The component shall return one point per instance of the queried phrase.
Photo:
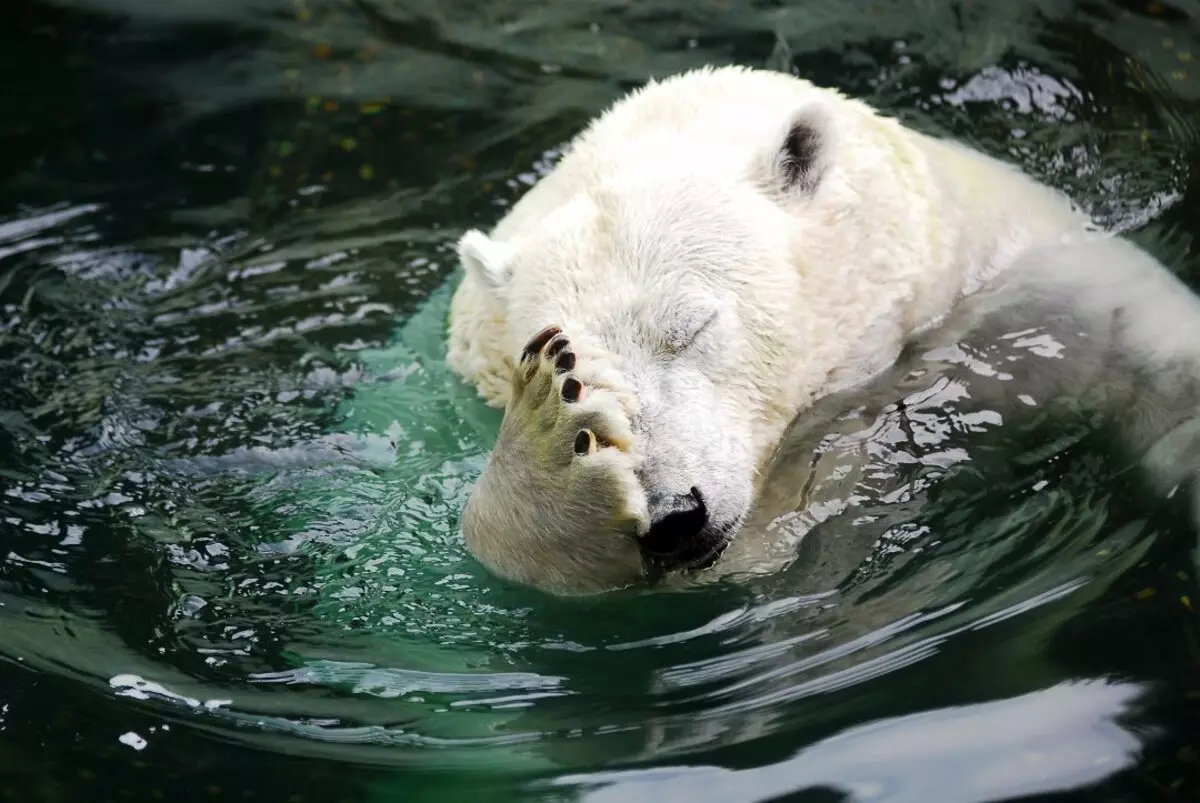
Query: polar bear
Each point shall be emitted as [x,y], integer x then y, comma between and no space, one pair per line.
[711,256]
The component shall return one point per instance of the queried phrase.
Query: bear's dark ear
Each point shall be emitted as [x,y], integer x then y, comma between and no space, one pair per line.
[803,153]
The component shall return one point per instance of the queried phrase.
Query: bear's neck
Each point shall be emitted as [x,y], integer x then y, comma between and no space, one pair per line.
[994,211]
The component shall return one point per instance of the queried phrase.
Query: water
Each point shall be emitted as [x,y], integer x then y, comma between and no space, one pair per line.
[231,456]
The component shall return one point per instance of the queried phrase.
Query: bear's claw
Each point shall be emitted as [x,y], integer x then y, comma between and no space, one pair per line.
[597,407]
[538,342]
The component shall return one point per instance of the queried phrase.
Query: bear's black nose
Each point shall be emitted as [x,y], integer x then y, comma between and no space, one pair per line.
[678,535]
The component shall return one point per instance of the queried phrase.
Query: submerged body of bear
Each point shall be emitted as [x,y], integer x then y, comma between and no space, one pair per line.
[710,258]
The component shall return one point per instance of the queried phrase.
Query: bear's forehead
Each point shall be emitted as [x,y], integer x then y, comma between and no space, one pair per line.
[635,265]
[682,224]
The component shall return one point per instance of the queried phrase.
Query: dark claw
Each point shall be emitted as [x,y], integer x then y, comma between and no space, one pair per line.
[539,341]
[583,442]
[571,389]
[556,345]
[565,362]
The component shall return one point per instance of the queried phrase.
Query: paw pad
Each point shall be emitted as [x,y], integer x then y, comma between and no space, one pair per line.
[565,362]
[585,442]
[557,344]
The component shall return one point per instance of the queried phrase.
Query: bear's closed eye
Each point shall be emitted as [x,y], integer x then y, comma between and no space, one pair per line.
[688,330]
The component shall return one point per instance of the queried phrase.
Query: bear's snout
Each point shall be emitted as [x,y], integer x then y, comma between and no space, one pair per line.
[682,535]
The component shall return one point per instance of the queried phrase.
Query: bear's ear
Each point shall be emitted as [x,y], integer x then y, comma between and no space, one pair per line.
[802,150]
[486,261]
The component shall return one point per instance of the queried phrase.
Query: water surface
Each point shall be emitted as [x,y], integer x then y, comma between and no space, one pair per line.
[232,457]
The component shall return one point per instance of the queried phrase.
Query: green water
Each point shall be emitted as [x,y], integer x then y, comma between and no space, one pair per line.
[232,457]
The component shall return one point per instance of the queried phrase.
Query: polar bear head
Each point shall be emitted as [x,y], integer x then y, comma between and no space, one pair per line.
[710,255]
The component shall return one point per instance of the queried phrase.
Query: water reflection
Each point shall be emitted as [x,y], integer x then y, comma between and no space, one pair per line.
[1062,738]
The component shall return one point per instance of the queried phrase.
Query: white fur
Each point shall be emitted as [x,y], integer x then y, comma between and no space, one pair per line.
[487,261]
[712,298]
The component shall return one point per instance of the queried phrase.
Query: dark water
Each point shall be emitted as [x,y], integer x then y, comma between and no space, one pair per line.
[231,457]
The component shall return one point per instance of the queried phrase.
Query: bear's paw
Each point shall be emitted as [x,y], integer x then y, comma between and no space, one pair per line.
[575,394]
